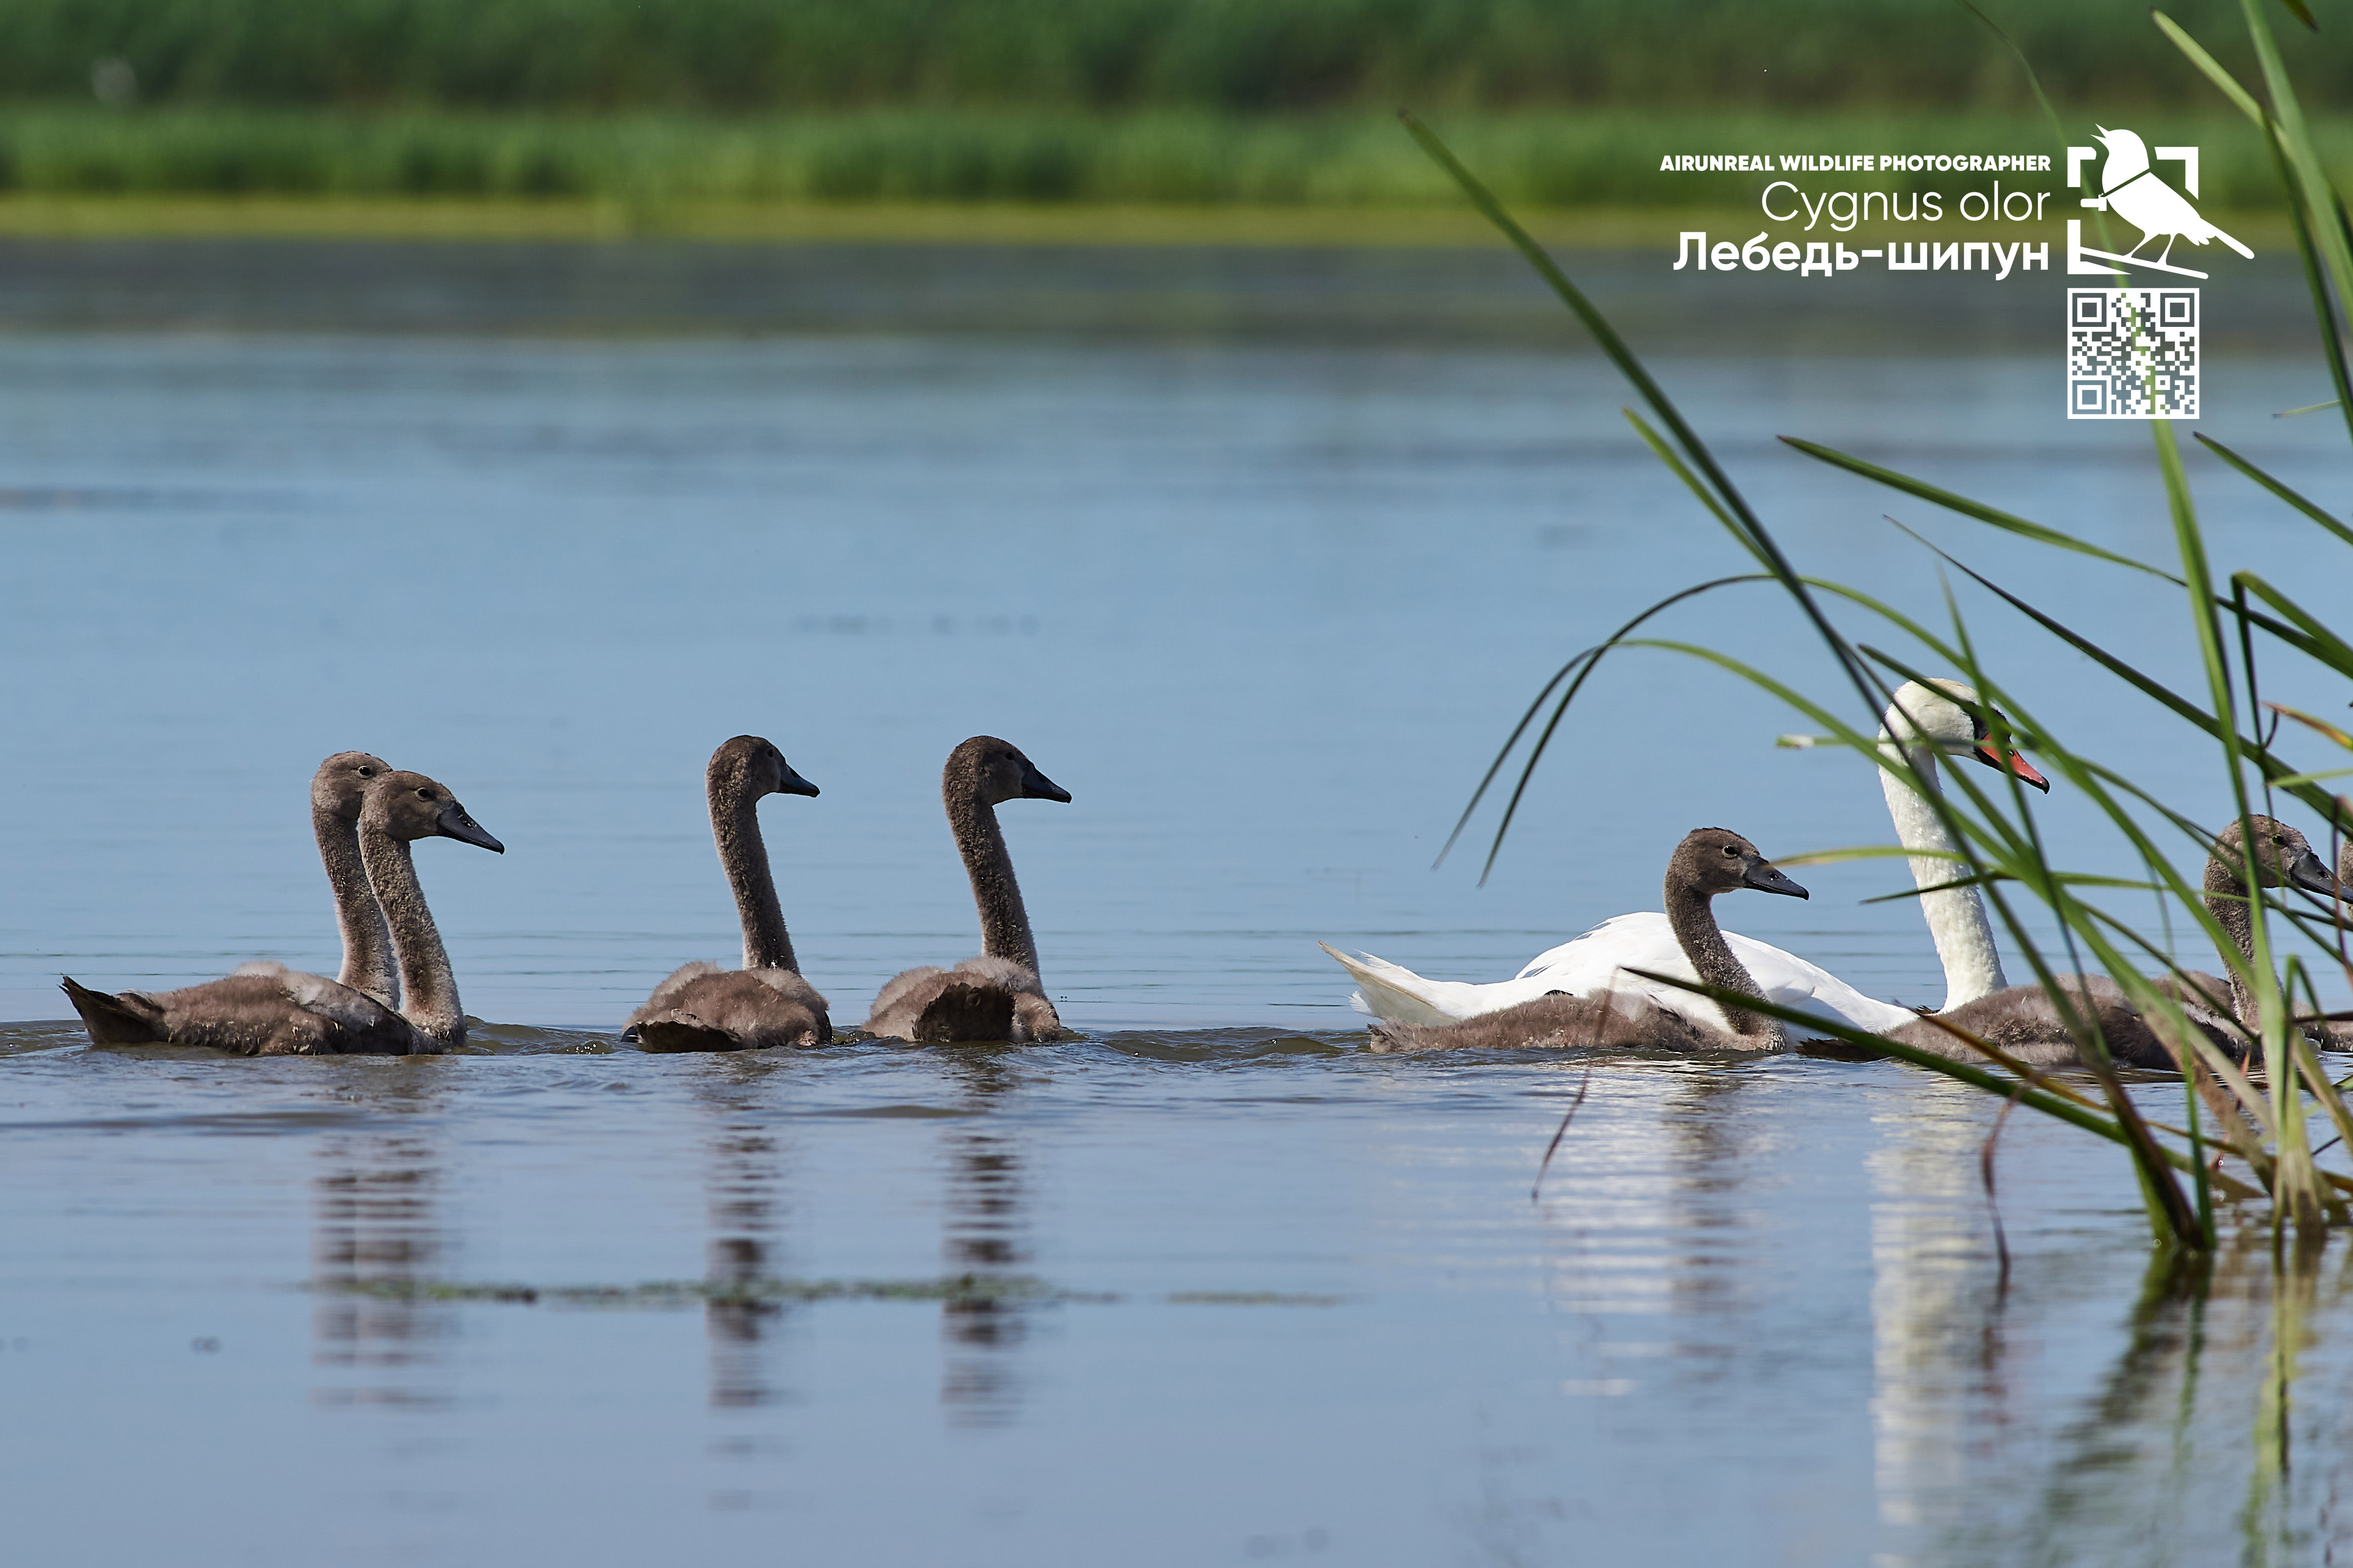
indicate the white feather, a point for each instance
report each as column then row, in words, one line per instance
column 1597, row 963
column 1925, row 724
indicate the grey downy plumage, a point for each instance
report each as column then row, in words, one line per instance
column 267, row 1009
column 703, row 1007
column 998, row 995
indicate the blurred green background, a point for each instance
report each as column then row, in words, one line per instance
column 648, row 104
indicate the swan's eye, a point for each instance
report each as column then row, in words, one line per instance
column 425, row 794
column 367, row 772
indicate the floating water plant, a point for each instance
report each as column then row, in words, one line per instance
column 957, row 1289
column 2243, row 1135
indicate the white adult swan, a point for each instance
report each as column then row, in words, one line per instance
column 1924, row 722
column 703, row 1007
column 997, row 996
column 1709, row 861
column 267, row 1009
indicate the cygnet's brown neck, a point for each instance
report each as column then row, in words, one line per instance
column 429, row 988
column 2226, row 900
column 367, row 946
column 1690, row 914
column 743, row 856
column 1003, row 924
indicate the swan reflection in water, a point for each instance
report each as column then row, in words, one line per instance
column 2189, row 1436
column 745, row 1202
column 984, row 1230
column 984, row 1226
column 378, row 1232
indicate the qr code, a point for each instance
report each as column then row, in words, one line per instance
column 2132, row 353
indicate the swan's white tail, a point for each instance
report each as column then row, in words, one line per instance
column 1388, row 991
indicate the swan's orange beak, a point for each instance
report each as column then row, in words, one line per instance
column 2013, row 763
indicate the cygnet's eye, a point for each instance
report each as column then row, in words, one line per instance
column 367, row 771
column 1728, row 850
column 423, row 794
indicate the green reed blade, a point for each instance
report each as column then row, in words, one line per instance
column 1675, row 465
column 2109, row 1126
column 2326, row 646
column 1695, row 451
column 2250, row 749
column 2033, row 80
column 2210, row 67
column 2319, row 198
column 2294, row 1186
column 2309, row 509
column 1968, row 507
column 2315, row 282
column 1590, row 660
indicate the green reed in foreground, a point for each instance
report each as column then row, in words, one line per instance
column 2258, row 1115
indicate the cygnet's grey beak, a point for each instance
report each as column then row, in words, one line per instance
column 1759, row 874
column 1035, row 785
column 794, row 784
column 2307, row 872
column 453, row 823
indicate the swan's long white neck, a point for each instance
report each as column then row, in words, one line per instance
column 1955, row 916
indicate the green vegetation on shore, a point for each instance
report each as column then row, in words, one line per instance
column 1338, row 159
column 702, row 115
column 1234, row 56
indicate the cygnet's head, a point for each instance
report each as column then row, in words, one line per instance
column 341, row 784
column 1932, row 714
column 995, row 770
column 755, row 766
column 409, row 807
column 2281, row 855
column 1718, row 860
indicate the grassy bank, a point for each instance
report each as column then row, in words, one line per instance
column 768, row 56
column 913, row 223
column 642, row 162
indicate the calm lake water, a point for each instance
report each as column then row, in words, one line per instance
column 1259, row 554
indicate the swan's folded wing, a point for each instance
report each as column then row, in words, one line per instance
column 1398, row 995
column 1791, row 981
column 1588, row 959
column 666, row 995
column 1604, row 961
column 344, row 1007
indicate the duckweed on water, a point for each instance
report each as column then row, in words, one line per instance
column 965, row 1290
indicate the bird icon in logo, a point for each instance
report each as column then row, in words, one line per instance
column 2131, row 190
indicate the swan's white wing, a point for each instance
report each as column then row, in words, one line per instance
column 1588, row 966
column 1598, row 962
column 1790, row 981
column 1592, row 964
column 1398, row 995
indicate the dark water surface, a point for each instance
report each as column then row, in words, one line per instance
column 1257, row 553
